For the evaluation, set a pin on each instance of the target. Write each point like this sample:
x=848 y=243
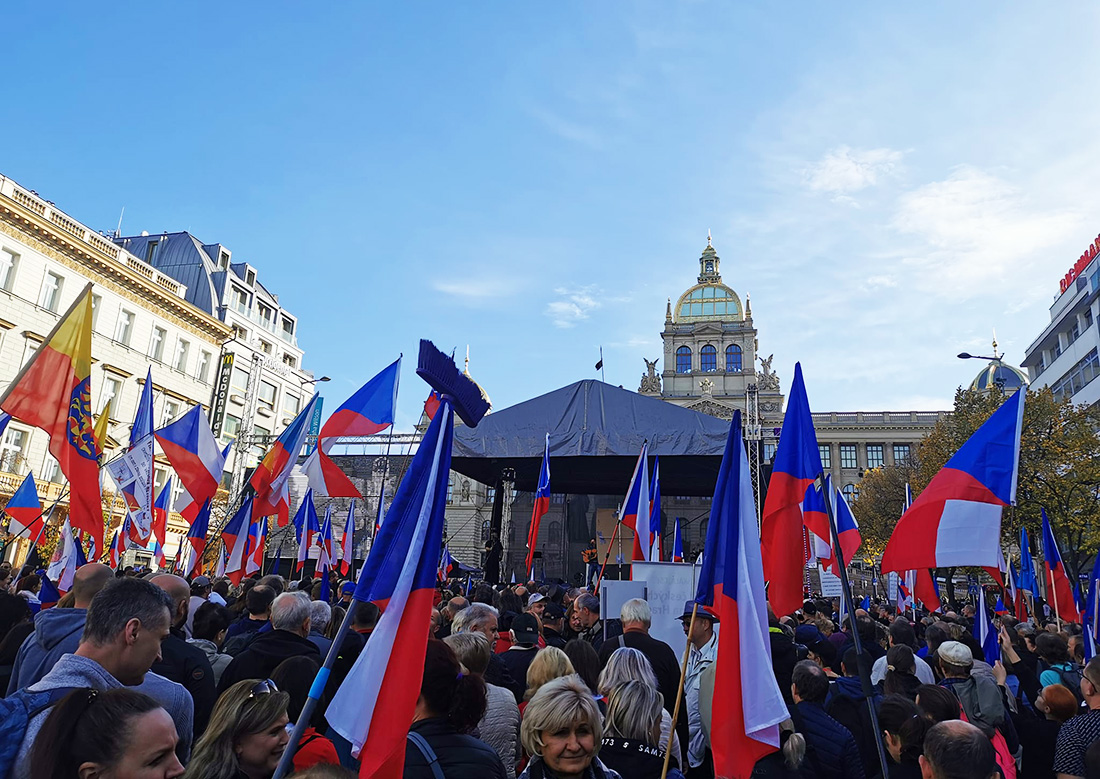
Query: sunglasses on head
x=263 y=688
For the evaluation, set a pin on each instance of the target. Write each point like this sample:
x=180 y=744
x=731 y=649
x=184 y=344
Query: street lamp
x=314 y=381
x=997 y=379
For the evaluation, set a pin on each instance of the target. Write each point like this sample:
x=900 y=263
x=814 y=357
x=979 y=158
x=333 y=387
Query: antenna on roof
x=118 y=232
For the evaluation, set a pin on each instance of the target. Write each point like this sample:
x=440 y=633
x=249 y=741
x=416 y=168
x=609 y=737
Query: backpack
x=16 y=713
x=1070 y=675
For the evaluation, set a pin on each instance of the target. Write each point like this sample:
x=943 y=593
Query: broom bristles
x=444 y=377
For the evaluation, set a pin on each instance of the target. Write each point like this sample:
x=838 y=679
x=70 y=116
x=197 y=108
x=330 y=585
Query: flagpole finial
x=708 y=237
x=995 y=355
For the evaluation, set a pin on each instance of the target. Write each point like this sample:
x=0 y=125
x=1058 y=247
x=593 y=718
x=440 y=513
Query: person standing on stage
x=494 y=550
x=591 y=561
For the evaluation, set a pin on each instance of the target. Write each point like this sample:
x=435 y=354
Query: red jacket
x=314 y=749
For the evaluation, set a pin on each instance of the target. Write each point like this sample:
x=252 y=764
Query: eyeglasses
x=263 y=688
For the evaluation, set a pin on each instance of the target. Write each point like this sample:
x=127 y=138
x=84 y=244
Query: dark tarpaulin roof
x=596 y=432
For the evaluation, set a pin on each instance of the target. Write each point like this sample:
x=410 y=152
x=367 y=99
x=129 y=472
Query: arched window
x=733 y=358
x=850 y=492
x=708 y=359
x=683 y=360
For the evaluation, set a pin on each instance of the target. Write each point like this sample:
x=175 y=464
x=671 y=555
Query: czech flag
x=956 y=520
x=257 y=540
x=195 y=456
x=305 y=521
x=816 y=519
x=160 y=512
x=115 y=554
x=196 y=535
x=1028 y=582
x=431 y=405
x=926 y=590
x=374 y=706
x=63 y=564
x=368 y=411
x=1061 y=594
x=347 y=543
x=48 y=596
x=748 y=705
x=219 y=569
x=985 y=632
x=655 y=513
x=25 y=510
x=272 y=473
x=797 y=463
x=446 y=562
x=53 y=392
x=235 y=540
x=1092 y=613
x=677 y=544
x=132 y=470
x=636 y=506
x=324 y=559
x=542 y=505
x=906 y=586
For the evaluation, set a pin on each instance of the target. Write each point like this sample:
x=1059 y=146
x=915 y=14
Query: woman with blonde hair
x=550 y=663
x=562 y=731
x=627 y=664
x=246 y=735
x=632 y=731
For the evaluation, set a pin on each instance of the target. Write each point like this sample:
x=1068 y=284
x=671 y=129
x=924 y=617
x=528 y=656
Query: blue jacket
x=831 y=750
x=56 y=632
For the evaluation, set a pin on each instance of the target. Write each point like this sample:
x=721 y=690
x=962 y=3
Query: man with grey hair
x=587 y=609
x=636 y=617
x=290 y=622
x=482 y=618
x=320 y=614
x=125 y=624
x=449 y=611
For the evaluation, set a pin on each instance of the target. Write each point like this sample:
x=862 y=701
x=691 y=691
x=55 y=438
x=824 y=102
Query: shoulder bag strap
x=429 y=754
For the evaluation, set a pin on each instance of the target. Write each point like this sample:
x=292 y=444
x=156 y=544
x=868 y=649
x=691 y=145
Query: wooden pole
x=679 y=690
x=607 y=554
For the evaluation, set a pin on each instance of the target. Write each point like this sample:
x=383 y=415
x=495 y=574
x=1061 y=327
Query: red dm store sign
x=1079 y=266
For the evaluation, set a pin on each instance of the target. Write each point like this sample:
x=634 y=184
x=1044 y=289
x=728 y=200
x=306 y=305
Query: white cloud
x=567 y=129
x=573 y=305
x=845 y=170
x=474 y=290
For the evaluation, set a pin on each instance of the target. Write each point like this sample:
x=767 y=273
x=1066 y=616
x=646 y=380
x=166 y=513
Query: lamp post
x=1000 y=382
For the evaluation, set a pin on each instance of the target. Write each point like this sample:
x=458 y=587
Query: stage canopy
x=596 y=432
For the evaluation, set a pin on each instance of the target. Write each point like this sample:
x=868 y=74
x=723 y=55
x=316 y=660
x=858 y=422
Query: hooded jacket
x=264 y=654
x=75 y=671
x=56 y=632
x=218 y=661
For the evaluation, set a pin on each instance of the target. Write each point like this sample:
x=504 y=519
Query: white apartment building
x=1066 y=355
x=142 y=319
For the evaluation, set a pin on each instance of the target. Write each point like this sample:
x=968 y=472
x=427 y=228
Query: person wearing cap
x=553 y=625
x=536 y=604
x=347 y=589
x=704 y=651
x=818 y=648
x=525 y=639
x=979 y=696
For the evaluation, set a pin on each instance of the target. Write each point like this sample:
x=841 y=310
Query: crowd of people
x=142 y=674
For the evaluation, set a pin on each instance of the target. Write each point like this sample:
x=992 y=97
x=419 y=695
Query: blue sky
x=534 y=180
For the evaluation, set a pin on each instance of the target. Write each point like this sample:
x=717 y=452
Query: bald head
x=179 y=591
x=88 y=580
x=957 y=750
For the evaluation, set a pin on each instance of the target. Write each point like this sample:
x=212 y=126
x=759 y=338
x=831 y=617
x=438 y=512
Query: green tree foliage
x=1059 y=471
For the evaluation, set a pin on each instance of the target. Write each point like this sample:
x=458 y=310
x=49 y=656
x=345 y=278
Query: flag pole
x=1054 y=592
x=606 y=555
x=680 y=690
x=846 y=595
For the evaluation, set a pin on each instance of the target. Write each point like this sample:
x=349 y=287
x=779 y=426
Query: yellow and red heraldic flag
x=53 y=392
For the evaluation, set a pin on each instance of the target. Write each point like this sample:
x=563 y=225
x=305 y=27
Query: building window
x=9 y=261
x=125 y=327
x=733 y=359
x=156 y=344
x=240 y=333
x=50 y=469
x=112 y=388
x=261 y=437
x=450 y=491
x=238 y=382
x=151 y=251
x=265 y=315
x=239 y=299
x=97 y=304
x=51 y=292
x=683 y=360
x=901 y=454
x=290 y=405
x=288 y=329
x=708 y=359
x=850 y=492
x=160 y=475
x=486 y=529
x=223 y=260
x=12 y=457
x=769 y=452
x=875 y=457
x=848 y=458
x=1087 y=315
x=289 y=360
x=265 y=347
x=171 y=411
x=1081 y=374
x=826 y=453
x=203 y=372
x=231 y=426
x=267 y=395
x=182 y=348
x=490 y=494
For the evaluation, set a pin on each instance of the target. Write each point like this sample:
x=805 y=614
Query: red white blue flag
x=307 y=525
x=817 y=522
x=270 y=479
x=132 y=470
x=1060 y=589
x=257 y=542
x=635 y=514
x=677 y=544
x=235 y=540
x=369 y=411
x=347 y=542
x=748 y=705
x=160 y=512
x=542 y=505
x=63 y=565
x=324 y=560
x=196 y=536
x=195 y=456
x=956 y=520
x=797 y=463
x=655 y=549
x=25 y=510
x=374 y=706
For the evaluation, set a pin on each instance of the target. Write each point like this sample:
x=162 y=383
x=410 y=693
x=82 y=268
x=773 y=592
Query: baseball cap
x=553 y=612
x=535 y=598
x=526 y=628
x=347 y=588
x=200 y=581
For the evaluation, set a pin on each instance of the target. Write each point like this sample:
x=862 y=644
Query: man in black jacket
x=290 y=622
x=181 y=662
x=831 y=752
